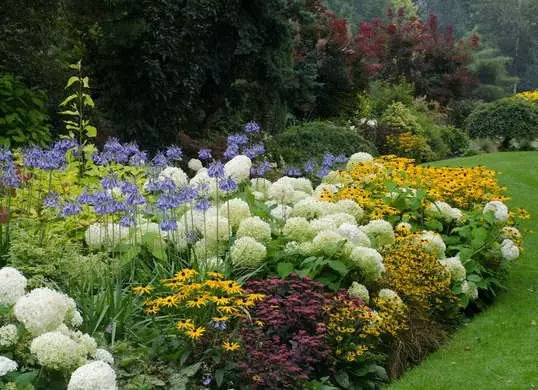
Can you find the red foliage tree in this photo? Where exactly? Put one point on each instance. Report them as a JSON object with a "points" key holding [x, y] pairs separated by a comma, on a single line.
{"points": [[418, 51]]}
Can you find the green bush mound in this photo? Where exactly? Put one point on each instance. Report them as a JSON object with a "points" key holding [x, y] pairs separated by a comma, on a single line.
{"points": [[308, 140]]}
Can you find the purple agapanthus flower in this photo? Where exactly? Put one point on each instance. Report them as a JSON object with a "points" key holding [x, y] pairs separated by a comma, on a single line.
{"points": [[252, 127], [168, 224], [237, 139], [228, 184], [159, 160], [340, 159], [202, 204], [216, 170], [204, 154], [174, 153], [52, 200], [310, 166], [231, 151]]}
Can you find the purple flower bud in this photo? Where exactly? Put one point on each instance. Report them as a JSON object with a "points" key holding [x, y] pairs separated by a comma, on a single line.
{"points": [[159, 160]]}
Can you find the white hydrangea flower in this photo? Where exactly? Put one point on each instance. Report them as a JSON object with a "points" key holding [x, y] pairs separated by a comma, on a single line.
{"points": [[103, 355], [86, 342], [202, 179], [323, 223], [204, 249], [303, 184], [324, 241], [308, 208], [360, 157], [340, 218], [238, 168], [354, 235], [499, 210], [359, 291], [57, 351], [371, 122], [8, 336], [328, 208], [261, 196], [510, 232], [235, 210], [216, 229], [297, 196], [470, 290], [444, 211], [247, 252], [256, 228], [432, 243], [389, 295], [298, 229], [12, 285], [380, 232], [195, 164], [509, 250], [282, 190], [43, 310], [76, 320], [351, 207], [177, 175], [368, 261], [96, 375], [7, 365], [260, 184], [281, 212], [455, 267], [108, 235], [211, 264]]}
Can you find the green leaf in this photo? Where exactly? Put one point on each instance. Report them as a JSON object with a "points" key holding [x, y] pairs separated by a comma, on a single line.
{"points": [[434, 225], [284, 269], [27, 378], [339, 267], [91, 131], [67, 100], [69, 112], [219, 376], [86, 82], [72, 80], [342, 378]]}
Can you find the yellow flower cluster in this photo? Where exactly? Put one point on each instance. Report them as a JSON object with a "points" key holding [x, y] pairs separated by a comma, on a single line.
{"points": [[460, 187], [393, 316], [417, 276], [528, 95], [200, 302], [349, 326]]}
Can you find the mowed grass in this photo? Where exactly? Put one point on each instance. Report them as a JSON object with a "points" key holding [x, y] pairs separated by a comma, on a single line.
{"points": [[498, 349]]}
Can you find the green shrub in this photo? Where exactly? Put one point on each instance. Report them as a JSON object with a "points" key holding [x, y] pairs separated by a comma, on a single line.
{"points": [[400, 117], [299, 143], [23, 116], [459, 110], [505, 119], [383, 94], [456, 139]]}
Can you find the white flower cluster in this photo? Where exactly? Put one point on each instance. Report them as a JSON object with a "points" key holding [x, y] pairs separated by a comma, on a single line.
{"points": [[8, 335], [359, 291], [235, 210], [7, 365], [389, 295], [298, 229], [469, 289], [58, 351], [509, 250], [360, 157], [433, 244], [97, 375], [455, 267], [256, 228], [246, 252], [444, 211], [238, 168], [175, 174], [499, 209], [368, 261], [379, 232], [354, 235], [194, 164], [327, 242], [12, 285], [100, 235]]}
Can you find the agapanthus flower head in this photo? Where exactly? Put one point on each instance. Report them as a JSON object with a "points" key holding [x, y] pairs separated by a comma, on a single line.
{"points": [[254, 151], [252, 128], [228, 184], [159, 160], [127, 220], [310, 166], [5, 154], [138, 158], [231, 151], [64, 144], [52, 200], [202, 204], [216, 170], [103, 158], [292, 172], [204, 154], [10, 178], [237, 139], [328, 160], [167, 224], [262, 168], [174, 152], [340, 159], [69, 209]]}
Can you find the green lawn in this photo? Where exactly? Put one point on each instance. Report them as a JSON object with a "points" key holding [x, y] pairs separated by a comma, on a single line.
{"points": [[498, 349]]}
